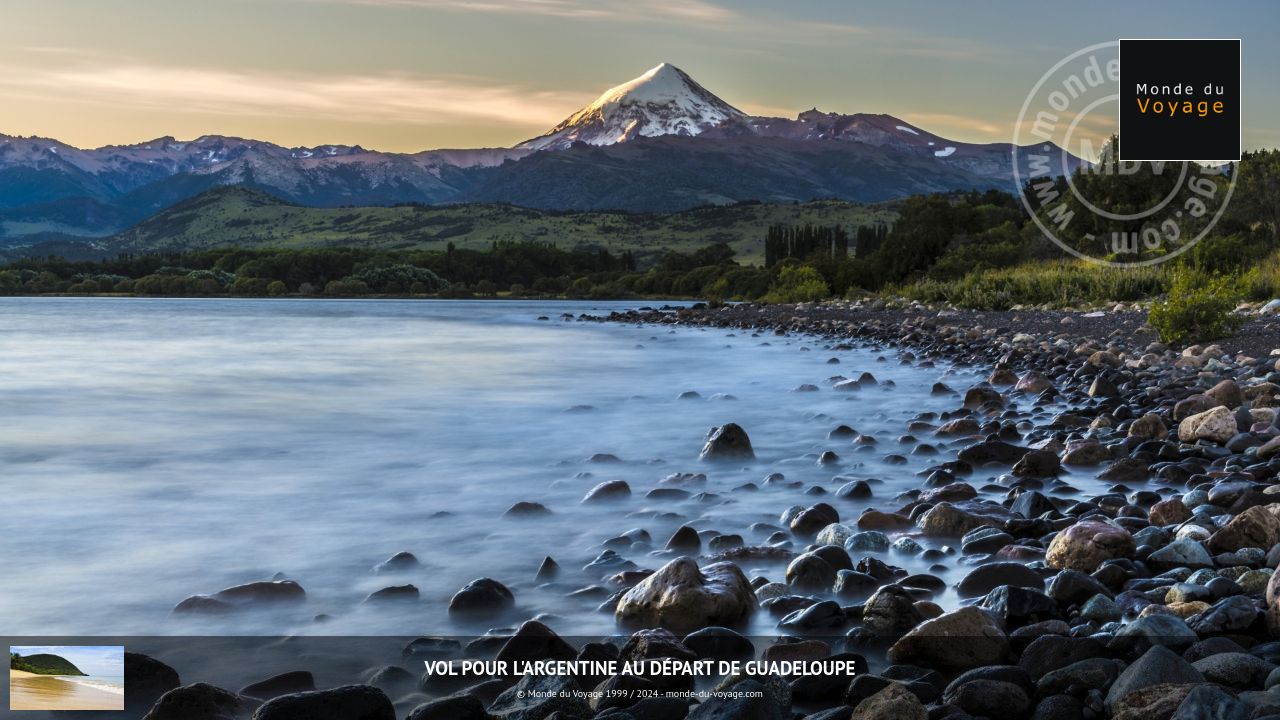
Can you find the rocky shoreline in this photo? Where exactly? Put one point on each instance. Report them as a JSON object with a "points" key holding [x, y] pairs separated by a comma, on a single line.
{"points": [[1151, 599]]}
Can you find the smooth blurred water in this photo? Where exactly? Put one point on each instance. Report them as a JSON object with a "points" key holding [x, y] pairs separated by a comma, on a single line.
{"points": [[155, 449]]}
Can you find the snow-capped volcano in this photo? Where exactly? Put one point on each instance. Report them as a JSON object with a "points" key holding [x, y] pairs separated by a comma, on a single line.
{"points": [[663, 101]]}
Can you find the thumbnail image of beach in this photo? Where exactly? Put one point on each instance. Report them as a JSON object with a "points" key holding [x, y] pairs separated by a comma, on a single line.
{"points": [[66, 678]]}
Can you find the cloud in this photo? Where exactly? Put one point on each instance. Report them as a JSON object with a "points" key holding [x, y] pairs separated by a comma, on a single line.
{"points": [[619, 10], [384, 98], [934, 121]]}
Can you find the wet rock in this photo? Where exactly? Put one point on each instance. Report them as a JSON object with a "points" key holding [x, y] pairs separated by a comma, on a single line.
{"points": [[834, 534], [1017, 606], [527, 509], [1181, 553], [1033, 383], [986, 578], [979, 395], [1072, 587], [249, 595], [854, 585], [147, 679], [1100, 609], [198, 702], [1208, 702], [810, 573], [400, 562], [1256, 527], [1080, 677], [879, 520], [826, 615], [947, 520], [960, 426], [1086, 544], [1155, 629], [812, 519], [283, 684], [352, 702], [682, 597], [1228, 615], [993, 699], [719, 643], [535, 641], [685, 539], [1038, 464], [1235, 669], [394, 593], [1169, 512], [1217, 425], [1047, 653], [1148, 427], [867, 541], [958, 640], [894, 702], [608, 491], [890, 612], [540, 696], [992, 452], [484, 596], [1157, 666], [727, 442], [548, 570], [457, 707], [1150, 703], [1085, 452]]}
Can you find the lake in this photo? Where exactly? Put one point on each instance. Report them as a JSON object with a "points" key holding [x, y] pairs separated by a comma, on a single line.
{"points": [[154, 449]]}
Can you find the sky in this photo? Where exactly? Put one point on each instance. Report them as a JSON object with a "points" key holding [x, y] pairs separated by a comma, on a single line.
{"points": [[410, 75], [105, 660]]}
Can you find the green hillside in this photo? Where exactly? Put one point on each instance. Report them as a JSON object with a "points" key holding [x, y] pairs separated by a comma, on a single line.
{"points": [[242, 217], [43, 664]]}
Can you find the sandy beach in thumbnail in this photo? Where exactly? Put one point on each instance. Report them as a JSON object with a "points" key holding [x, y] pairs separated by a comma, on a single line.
{"points": [[28, 691]]}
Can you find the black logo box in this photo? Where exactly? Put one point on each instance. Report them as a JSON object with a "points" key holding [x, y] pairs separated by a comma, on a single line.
{"points": [[1187, 64]]}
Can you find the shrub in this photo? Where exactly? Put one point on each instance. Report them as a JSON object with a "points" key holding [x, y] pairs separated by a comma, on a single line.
{"points": [[277, 288], [1197, 308], [346, 287], [798, 283], [398, 277]]}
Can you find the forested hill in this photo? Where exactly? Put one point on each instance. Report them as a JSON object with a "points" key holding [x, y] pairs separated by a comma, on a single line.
{"points": [[43, 664], [247, 218]]}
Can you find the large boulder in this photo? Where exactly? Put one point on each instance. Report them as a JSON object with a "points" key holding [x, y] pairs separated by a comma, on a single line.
{"points": [[682, 597], [958, 640], [247, 596], [198, 702], [147, 679], [1216, 425], [1085, 545], [539, 696], [891, 611], [894, 702], [1157, 666], [727, 442], [484, 596], [1256, 527]]}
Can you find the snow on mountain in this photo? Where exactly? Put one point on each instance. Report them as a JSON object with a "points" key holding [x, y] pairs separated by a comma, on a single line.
{"points": [[663, 101]]}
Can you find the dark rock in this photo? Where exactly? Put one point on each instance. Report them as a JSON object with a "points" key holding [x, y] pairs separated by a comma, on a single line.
{"points": [[282, 684], [197, 702], [457, 707], [727, 442], [719, 643], [539, 696], [147, 679], [352, 702], [1157, 666], [985, 578], [484, 596]]}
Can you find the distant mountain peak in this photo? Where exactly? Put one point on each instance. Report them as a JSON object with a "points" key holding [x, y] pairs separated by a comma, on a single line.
{"points": [[663, 101]]}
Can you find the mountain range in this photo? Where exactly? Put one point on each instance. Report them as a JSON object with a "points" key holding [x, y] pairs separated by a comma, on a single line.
{"points": [[658, 143]]}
